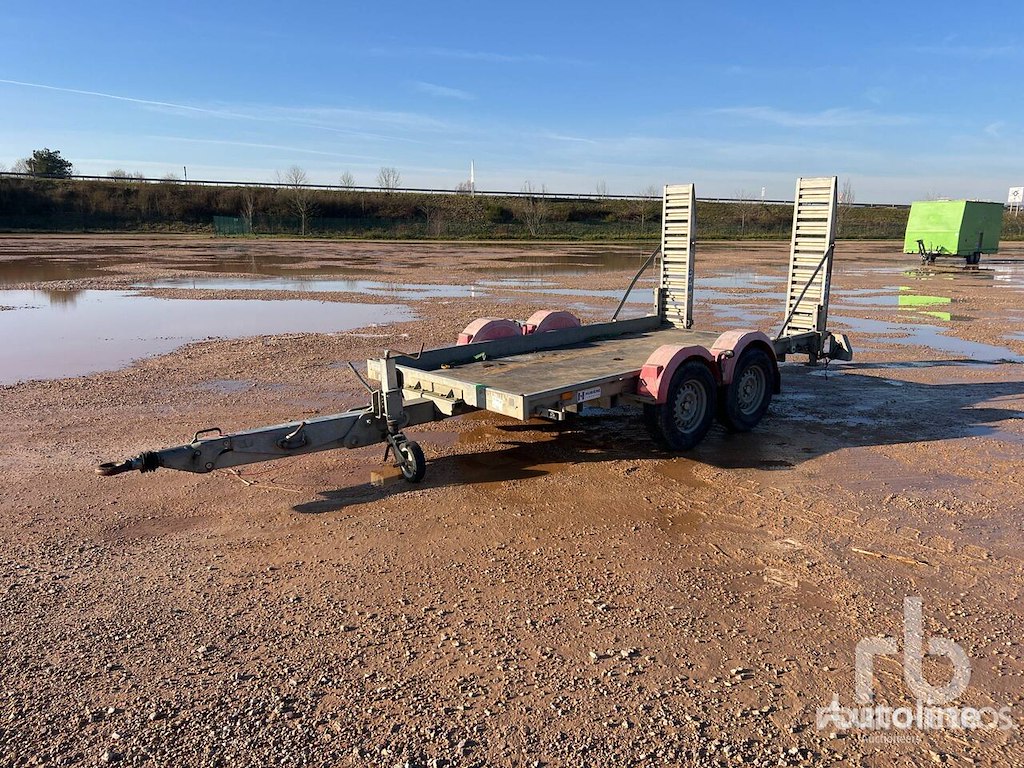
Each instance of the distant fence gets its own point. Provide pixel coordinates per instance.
(231, 225)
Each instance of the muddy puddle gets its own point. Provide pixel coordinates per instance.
(1007, 274)
(57, 334)
(254, 261)
(406, 291)
(575, 263)
(933, 337)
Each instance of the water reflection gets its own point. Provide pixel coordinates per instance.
(48, 335)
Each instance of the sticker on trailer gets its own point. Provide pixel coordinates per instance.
(502, 402)
(588, 394)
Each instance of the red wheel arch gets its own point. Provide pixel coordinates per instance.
(735, 342)
(657, 372)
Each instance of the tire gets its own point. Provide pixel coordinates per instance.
(744, 402)
(413, 462)
(685, 418)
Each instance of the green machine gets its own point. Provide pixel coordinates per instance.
(958, 228)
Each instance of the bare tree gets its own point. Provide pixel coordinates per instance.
(389, 179)
(122, 175)
(347, 180)
(170, 177)
(20, 166)
(747, 206)
(645, 207)
(249, 200)
(601, 188)
(847, 197)
(300, 195)
(532, 208)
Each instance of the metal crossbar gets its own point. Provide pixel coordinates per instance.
(632, 283)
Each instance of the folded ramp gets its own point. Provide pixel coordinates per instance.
(675, 292)
(810, 262)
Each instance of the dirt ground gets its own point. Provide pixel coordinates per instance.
(550, 594)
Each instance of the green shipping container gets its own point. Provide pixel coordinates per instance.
(954, 227)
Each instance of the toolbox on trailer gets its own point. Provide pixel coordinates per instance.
(955, 228)
(552, 365)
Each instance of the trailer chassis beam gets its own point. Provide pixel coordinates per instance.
(352, 429)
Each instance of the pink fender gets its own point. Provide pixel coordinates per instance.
(657, 373)
(489, 328)
(736, 342)
(544, 320)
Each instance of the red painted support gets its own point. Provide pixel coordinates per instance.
(544, 320)
(488, 329)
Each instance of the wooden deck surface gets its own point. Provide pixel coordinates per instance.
(567, 367)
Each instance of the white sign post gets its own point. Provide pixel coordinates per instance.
(1015, 198)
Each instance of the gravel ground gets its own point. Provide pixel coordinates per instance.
(550, 594)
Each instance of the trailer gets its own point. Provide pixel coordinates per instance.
(552, 365)
(962, 229)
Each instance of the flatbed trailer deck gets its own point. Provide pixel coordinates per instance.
(553, 365)
(542, 382)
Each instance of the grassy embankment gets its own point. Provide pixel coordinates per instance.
(122, 205)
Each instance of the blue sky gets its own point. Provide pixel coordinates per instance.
(904, 99)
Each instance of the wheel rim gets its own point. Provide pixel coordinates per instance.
(690, 406)
(408, 462)
(751, 390)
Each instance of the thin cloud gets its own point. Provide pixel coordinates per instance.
(840, 117)
(323, 117)
(571, 139)
(256, 145)
(443, 91)
(876, 94)
(493, 57)
(129, 99)
(995, 130)
(981, 52)
(320, 118)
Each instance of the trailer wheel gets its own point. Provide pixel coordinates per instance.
(745, 400)
(412, 461)
(685, 418)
